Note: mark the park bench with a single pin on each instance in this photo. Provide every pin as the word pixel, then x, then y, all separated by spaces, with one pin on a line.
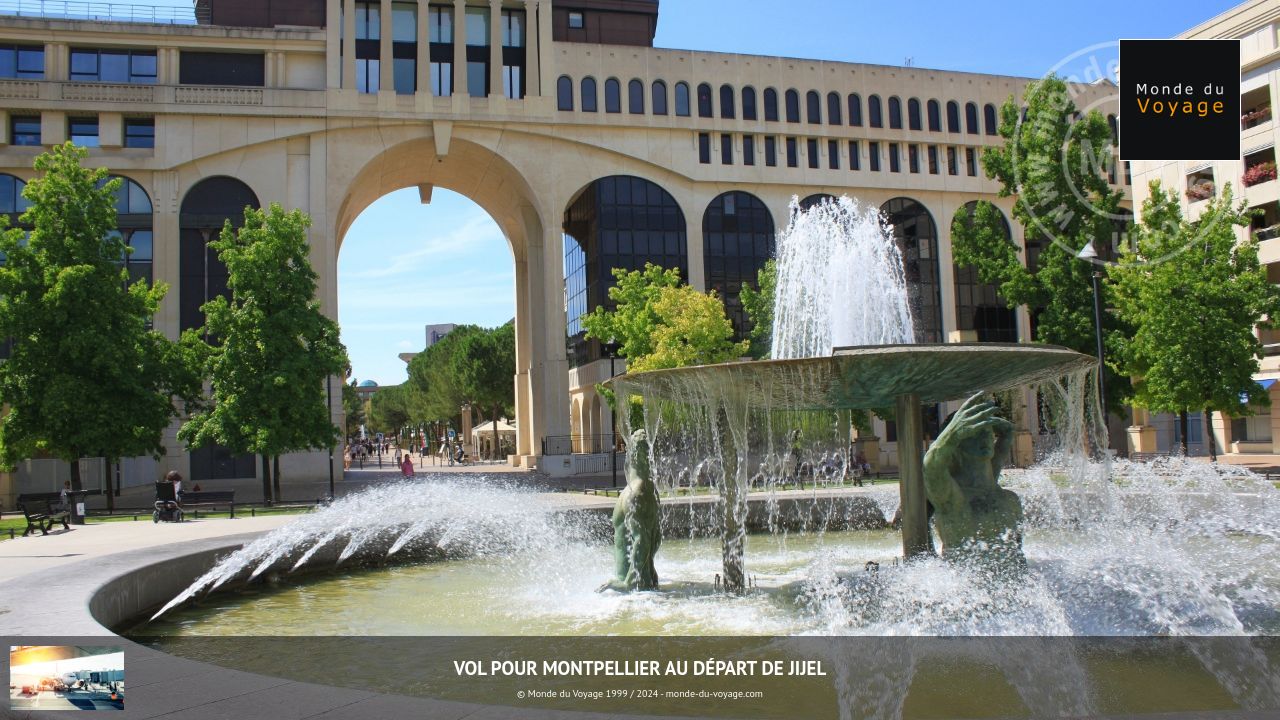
pixel 210 498
pixel 1144 457
pixel 41 513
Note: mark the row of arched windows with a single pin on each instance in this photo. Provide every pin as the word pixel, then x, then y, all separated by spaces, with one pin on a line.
pixel 917 117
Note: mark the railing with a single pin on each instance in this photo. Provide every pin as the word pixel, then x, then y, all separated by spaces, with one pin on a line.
pixel 107 92
pixel 1255 118
pixel 219 95
pixel 571 444
pixel 1267 233
pixel 105 11
pixel 20 89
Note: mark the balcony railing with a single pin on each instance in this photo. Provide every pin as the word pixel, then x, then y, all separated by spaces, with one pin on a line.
pixel 105 11
pixel 1254 118
pixel 1267 233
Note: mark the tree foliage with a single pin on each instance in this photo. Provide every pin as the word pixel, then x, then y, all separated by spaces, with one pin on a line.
pixel 269 346
pixel 469 365
pixel 758 305
pixel 1194 295
pixel 87 374
pixel 389 409
pixel 352 408
pixel 1055 164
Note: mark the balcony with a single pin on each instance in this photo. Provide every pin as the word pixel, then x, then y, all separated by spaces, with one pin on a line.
pixel 105 12
pixel 1254 118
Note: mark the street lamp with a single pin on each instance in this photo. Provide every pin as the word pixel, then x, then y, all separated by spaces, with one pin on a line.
pixel 1088 254
pixel 611 348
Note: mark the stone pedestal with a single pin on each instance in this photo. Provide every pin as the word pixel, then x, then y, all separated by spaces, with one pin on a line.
pixel 1024 451
pixel 915 519
pixel 1142 438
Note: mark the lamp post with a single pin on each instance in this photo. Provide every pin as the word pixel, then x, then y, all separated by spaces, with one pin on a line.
pixel 328 397
pixel 611 348
pixel 1088 254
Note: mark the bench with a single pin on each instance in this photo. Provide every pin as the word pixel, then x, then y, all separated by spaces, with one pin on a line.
pixel 210 498
pixel 41 514
pixel 1143 457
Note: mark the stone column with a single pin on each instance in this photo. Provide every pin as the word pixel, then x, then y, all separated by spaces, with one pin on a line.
pixel 349 44
pixel 495 48
pixel 460 48
pixel 545 63
pixel 694 242
pixel 532 76
pixel 57 61
pixel 915 519
pixel 947 272
pixel 386 62
pixel 423 71
pixel 333 43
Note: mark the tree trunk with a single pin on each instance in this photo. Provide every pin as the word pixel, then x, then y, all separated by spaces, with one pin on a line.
pixel 75 474
pixel 266 480
pixel 1208 431
pixel 495 454
pixel 275 476
pixel 1183 427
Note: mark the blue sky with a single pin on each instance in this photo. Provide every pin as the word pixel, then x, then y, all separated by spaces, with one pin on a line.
pixel 404 265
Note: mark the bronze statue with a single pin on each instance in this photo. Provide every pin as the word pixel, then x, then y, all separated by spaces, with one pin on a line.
pixel 636 517
pixel 973 515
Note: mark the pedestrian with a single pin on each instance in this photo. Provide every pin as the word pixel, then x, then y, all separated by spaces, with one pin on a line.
pixel 65 495
pixel 406 466
pixel 397 455
pixel 346 458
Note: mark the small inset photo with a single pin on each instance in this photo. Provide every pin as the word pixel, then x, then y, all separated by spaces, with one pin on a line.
pixel 66 677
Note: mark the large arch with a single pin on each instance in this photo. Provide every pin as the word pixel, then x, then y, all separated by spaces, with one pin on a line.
pixel 738 239
pixel 979 307
pixel 475 168
pixel 917 238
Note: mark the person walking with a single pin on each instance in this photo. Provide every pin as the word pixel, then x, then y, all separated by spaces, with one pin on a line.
pixel 406 466
pixel 346 458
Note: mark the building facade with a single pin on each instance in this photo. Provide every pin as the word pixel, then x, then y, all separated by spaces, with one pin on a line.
pixel 590 148
pixel 1253 179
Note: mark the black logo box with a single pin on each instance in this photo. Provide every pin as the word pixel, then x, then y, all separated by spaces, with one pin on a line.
pixel 1187 69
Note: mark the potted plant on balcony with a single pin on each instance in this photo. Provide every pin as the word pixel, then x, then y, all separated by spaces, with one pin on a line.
pixel 1200 191
pixel 1255 117
pixel 1259 173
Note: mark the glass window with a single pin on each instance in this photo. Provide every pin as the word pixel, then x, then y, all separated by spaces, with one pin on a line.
pixel 564 93
pixel 612 96
pixel 513 28
pixel 933 159
pixel 913 158
pixel 833 154
pixel 917 240
pixel 793 153
pixel 513 81
pixel 726 102
pixel 118 66
pixel 811 149
pixel 140 132
pixel 894 162
pixel 748 150
pixel 588 94
pixel 366 75
pixel 131 199
pixel 478 27
pixel 873 156
pixel 953 167
pixel 738 239
pixel 813 107
pixel 477 78
pixel 83 131
pixel 726 149
pixel 704 101
pixel 24 62
pixel 793 106
pixel 971 161
pixel 704 148
pixel 576 21
pixel 979 306
pixel 440 25
pixel 989 113
pixel 635 97
pixel 895 113
pixel 953 116
pixel 834 116
pixel 24 130
pixel 404 22
pixel 682 99
pixel 913 114
pixel 11 200
pixel 749 103
pixel 770 105
pixel 855 110
pixel 971 118
pixel 935 116
pixel 368 21
pixel 404 72
pixel 441 79
pixel 771 151
pixel 855 162
pixel 873 111
pixel 659 97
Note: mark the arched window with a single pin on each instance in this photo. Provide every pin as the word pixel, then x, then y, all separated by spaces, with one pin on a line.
pixel 917 238
pixel 979 306
pixel 873 112
pixel 793 106
pixel 749 103
pixel 1115 129
pixel 618 221
pixel 737 237
pixel 202 277
pixel 953 116
pixel 913 115
pixel 971 118
pixel 816 199
pixel 895 113
pixel 682 99
pixel 770 105
pixel 726 102
pixel 635 97
pixel 12 204
pixel 612 96
pixel 855 110
pixel 992 124
pixel 588 94
pixel 659 97
pixel 935 116
pixel 704 101
pixel 564 93
pixel 834 116
pixel 813 107
pixel 133 222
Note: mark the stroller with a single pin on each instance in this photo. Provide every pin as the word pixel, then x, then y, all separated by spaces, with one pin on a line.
pixel 166 505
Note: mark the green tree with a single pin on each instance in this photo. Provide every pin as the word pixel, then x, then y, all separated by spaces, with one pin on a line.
pixel 389 409
pixel 353 408
pixel 87 374
pixel 483 367
pixel 432 374
pixel 758 305
pixel 271 347
pixel 1194 295
pixel 1056 166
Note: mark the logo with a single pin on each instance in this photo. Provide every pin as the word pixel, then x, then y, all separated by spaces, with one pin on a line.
pixel 1180 99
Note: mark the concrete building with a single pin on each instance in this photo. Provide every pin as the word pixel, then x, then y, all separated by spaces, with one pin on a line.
pixel 590 148
pixel 1253 178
